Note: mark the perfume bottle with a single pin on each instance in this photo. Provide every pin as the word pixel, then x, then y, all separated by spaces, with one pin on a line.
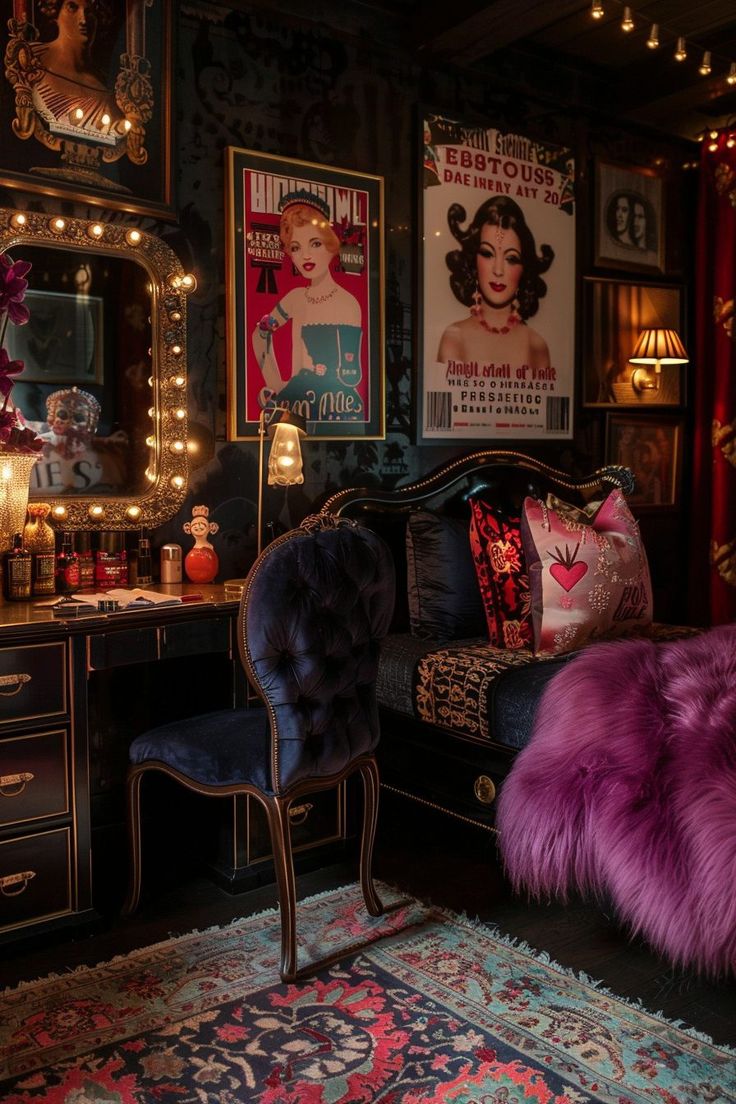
pixel 171 563
pixel 39 539
pixel 145 566
pixel 83 548
pixel 17 573
pixel 111 561
pixel 67 567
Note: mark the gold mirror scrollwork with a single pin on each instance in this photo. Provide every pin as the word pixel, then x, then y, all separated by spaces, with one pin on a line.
pixel 167 470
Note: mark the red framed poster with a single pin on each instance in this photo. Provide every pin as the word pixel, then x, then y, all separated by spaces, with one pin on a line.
pixel 305 296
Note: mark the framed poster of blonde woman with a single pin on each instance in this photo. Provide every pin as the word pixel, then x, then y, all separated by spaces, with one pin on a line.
pixel 497 293
pixel 305 292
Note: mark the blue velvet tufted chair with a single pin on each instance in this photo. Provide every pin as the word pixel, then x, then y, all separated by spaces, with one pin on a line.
pixel 315 607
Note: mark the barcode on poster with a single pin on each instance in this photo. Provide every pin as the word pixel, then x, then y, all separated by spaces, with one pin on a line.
pixel 438 410
pixel 558 414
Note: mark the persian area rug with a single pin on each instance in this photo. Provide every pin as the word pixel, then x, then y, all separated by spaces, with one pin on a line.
pixel 429 1009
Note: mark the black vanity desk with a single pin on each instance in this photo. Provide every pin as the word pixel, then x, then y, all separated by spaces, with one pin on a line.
pixel 73 693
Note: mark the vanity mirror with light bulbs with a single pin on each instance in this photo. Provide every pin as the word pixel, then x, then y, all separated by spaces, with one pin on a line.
pixel 104 379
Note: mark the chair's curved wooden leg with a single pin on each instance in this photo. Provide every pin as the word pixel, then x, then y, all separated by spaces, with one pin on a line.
pixel 135 777
pixel 369 774
pixel 278 822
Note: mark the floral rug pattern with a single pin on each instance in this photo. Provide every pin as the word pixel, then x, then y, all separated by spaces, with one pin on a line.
pixel 429 1009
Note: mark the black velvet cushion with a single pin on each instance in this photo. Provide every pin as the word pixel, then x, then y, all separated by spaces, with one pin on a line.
pixel 514 699
pixel 442 586
pixel 218 749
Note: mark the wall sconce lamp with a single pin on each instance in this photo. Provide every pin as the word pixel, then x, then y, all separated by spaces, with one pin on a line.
pixel 285 429
pixel 655 347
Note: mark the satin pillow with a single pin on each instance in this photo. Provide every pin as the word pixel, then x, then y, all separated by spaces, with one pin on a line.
pixel 500 565
pixel 588 573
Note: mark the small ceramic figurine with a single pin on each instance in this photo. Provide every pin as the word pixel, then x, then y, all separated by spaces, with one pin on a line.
pixel 201 562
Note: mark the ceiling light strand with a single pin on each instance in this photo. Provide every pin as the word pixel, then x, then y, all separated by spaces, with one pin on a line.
pixel 681 44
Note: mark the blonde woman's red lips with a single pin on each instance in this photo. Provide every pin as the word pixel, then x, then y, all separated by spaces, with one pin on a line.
pixel 498 287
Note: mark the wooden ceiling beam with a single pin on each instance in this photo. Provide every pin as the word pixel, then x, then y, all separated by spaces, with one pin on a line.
pixel 472 32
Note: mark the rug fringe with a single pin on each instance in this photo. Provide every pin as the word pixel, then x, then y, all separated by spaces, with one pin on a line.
pixel 382 887
pixel 389 892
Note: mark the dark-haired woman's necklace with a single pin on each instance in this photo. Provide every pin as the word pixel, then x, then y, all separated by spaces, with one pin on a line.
pixel 512 320
pixel 315 299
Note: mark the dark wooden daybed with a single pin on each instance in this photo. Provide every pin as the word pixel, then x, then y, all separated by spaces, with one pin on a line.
pixel 455 712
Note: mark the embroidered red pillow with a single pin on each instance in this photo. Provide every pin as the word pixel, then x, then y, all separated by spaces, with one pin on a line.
pixel 588 572
pixel 500 565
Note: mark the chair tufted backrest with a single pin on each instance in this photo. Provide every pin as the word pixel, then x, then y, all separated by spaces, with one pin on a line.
pixel 315 606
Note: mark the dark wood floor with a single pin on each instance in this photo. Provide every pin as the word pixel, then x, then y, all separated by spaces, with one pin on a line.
pixel 433 858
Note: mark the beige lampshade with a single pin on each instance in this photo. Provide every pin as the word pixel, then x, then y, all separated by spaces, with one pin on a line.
pixel 659 346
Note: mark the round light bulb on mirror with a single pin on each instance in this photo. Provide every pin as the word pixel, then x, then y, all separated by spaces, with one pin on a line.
pixel 151 442
pixel 127 125
pixel 133 512
pixel 96 511
pixel 151 412
pixel 175 316
pixel 57 225
pixel 178 381
pixel 18 219
pixel 177 448
pixel 133 237
pixel 59 512
pixel 176 350
pixel 179 414
pixel 96 230
pixel 178 481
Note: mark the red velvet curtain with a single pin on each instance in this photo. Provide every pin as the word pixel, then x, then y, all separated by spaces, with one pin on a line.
pixel 713 561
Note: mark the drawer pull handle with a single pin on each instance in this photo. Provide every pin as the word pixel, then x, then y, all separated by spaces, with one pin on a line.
pixel 11 785
pixel 14 683
pixel 299 813
pixel 20 880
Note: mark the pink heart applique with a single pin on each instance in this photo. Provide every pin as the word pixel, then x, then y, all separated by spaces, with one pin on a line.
pixel 568 577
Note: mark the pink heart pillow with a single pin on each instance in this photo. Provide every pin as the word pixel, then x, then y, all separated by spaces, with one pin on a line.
pixel 588 572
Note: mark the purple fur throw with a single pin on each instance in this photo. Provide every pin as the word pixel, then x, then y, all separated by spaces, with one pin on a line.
pixel 627 789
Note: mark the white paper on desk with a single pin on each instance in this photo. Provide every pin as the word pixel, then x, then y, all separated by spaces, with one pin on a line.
pixel 131 599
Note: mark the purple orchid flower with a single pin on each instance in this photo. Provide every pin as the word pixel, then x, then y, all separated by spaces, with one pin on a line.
pixel 8 368
pixel 13 286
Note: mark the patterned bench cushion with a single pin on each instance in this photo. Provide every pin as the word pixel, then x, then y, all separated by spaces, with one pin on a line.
pixel 471 688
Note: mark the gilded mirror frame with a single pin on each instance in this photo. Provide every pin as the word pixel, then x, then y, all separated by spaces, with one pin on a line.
pixel 168 467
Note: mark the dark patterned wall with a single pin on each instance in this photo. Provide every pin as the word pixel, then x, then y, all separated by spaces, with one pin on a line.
pixel 281 85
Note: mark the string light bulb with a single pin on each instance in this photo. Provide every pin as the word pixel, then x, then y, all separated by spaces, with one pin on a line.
pixel 596 9
pixel 705 66
pixel 731 78
pixel 653 40
pixel 681 51
pixel 627 23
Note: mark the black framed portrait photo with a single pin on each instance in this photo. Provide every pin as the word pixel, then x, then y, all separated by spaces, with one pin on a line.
pixel 629 216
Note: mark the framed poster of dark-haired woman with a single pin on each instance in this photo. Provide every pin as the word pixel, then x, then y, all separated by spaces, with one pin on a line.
pixel 629 218
pixel 85 107
pixel 305 296
pixel 497 286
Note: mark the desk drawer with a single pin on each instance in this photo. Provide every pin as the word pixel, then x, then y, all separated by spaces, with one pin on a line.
pixel 203 637
pixel 35 878
pixel 316 819
pixel 32 682
pixel 33 777
pixel 117 649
